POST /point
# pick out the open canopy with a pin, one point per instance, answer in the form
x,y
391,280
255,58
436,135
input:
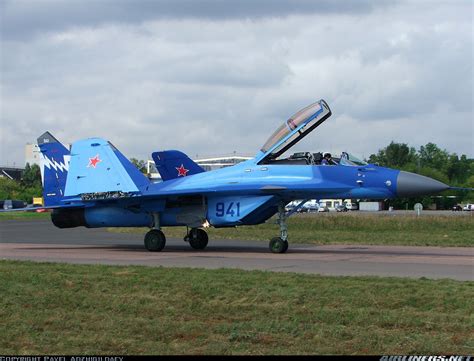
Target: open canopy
x,y
295,128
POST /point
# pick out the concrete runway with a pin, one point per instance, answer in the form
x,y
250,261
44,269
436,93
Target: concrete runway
x,y
39,240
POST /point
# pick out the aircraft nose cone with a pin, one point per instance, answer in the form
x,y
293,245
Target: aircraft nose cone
x,y
410,184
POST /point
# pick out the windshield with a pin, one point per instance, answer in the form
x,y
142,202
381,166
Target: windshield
x,y
349,159
296,127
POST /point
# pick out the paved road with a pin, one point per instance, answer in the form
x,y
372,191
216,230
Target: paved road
x,y
39,240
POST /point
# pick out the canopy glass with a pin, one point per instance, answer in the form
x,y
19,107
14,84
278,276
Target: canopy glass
x,y
295,128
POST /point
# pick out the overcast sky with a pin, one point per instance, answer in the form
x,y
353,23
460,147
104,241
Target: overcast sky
x,y
213,77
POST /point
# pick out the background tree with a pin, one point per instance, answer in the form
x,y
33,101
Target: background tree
x,y
433,162
140,164
31,176
395,155
11,189
433,157
28,187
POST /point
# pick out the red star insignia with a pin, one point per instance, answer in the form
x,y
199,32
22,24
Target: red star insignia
x,y
93,161
182,171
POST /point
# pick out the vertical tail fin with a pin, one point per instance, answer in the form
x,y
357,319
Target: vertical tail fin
x,y
97,166
54,164
173,164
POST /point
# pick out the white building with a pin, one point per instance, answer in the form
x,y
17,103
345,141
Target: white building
x,y
32,154
206,163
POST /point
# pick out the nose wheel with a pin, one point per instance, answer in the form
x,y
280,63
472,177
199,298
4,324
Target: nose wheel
x,y
280,244
197,238
277,245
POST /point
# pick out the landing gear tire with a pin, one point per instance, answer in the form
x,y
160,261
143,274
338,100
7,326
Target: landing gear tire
x,y
277,245
280,244
198,238
155,240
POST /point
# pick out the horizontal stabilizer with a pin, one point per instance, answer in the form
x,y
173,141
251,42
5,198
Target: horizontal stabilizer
x,y
41,208
174,164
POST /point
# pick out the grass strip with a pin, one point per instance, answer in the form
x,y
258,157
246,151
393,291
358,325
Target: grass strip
x,y
350,228
24,215
83,309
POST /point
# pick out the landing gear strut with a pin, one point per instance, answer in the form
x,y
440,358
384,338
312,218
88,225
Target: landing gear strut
x,y
280,244
197,238
155,239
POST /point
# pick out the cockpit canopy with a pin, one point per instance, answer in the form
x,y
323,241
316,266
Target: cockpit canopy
x,y
295,128
350,159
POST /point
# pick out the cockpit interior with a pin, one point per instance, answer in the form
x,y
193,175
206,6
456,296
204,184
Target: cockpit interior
x,y
308,158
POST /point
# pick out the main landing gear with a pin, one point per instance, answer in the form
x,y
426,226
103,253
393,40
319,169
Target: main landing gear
x,y
280,244
155,239
197,238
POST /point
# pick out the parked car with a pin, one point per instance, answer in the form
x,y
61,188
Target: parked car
x,y
323,209
289,207
341,208
468,207
12,204
456,208
352,206
311,206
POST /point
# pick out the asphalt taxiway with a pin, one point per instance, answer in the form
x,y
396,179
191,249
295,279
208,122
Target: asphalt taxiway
x,y
39,240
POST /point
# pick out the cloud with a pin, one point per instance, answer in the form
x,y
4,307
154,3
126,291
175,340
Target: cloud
x,y
25,18
215,85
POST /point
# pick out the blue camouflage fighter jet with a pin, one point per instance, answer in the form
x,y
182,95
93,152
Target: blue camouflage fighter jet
x,y
95,185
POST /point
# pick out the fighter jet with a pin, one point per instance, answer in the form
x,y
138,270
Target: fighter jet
x,y
95,185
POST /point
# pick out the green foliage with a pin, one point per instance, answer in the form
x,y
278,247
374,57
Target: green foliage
x,y
92,309
24,216
395,155
29,186
31,176
140,164
9,189
433,157
433,162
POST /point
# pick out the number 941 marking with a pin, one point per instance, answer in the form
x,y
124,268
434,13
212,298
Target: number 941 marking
x,y
228,209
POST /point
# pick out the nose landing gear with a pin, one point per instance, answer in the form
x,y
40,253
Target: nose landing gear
x,y
280,244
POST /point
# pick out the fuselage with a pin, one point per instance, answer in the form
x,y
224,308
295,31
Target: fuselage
x,y
289,182
249,193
